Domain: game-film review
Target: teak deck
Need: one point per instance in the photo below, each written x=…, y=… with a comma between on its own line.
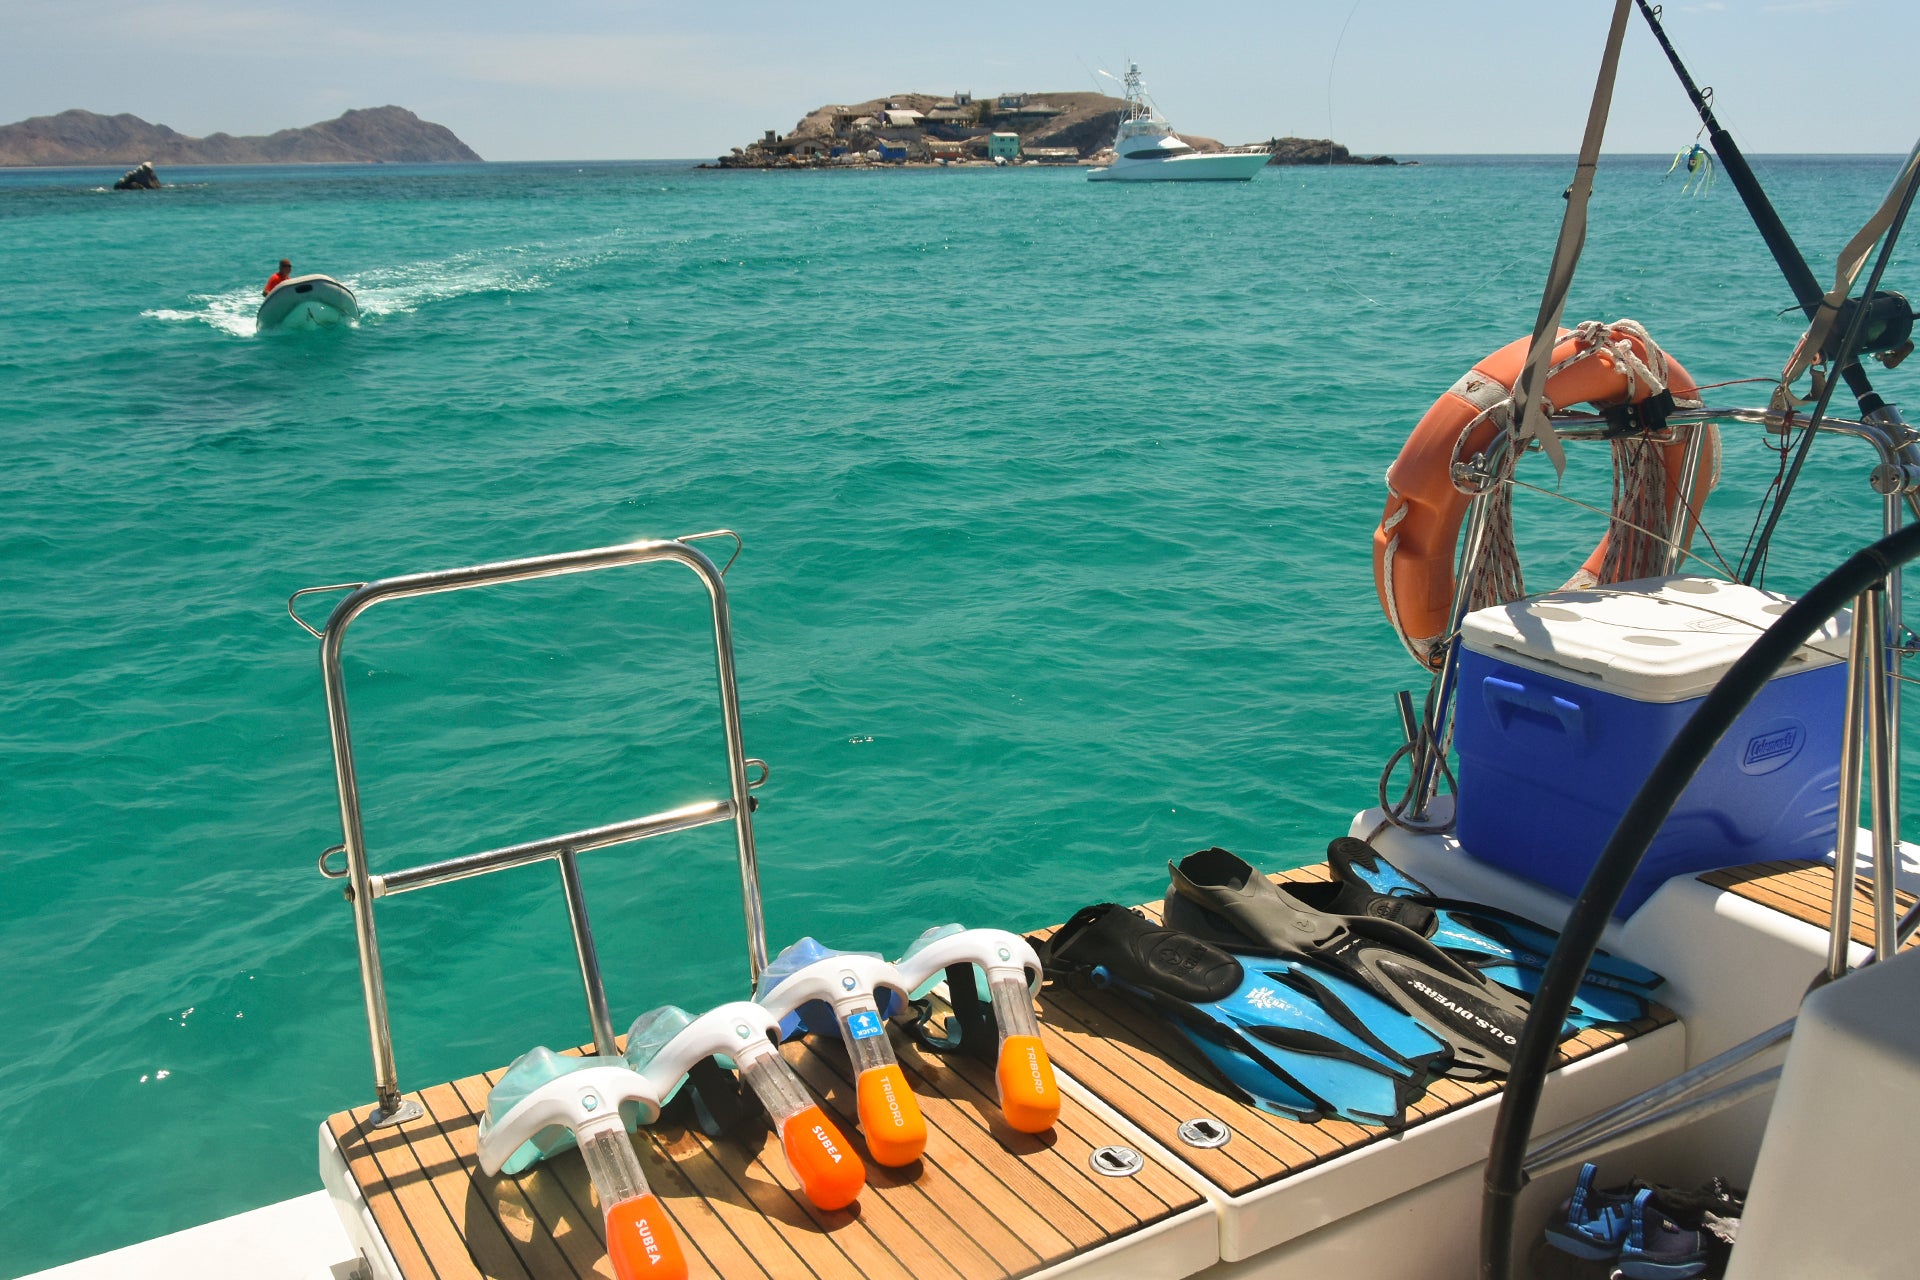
x=984, y=1202
x=1149, y=1076
x=1804, y=890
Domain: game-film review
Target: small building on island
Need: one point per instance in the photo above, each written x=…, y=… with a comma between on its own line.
x=951, y=113
x=1003, y=146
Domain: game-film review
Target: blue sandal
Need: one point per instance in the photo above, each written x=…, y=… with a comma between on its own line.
x=1657, y=1247
x=1592, y=1224
x=1648, y=1232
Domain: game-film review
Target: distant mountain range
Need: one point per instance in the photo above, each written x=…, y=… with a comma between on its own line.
x=84, y=138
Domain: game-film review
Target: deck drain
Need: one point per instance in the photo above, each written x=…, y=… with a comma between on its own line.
x=1116, y=1162
x=1205, y=1132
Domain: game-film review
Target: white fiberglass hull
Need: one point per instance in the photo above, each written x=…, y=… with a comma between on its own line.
x=307, y=302
x=1198, y=166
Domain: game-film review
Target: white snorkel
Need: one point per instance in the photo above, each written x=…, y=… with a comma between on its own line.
x=666, y=1044
x=807, y=981
x=1029, y=1097
x=546, y=1102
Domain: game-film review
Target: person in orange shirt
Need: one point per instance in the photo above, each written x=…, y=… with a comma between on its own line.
x=279, y=277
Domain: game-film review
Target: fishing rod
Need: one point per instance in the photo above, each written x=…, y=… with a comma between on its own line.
x=1792, y=263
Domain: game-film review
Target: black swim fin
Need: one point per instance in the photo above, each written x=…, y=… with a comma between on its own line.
x=1285, y=1041
x=1480, y=1020
x=1509, y=949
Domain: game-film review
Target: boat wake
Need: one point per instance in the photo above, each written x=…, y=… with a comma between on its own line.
x=231, y=313
x=400, y=290
x=390, y=291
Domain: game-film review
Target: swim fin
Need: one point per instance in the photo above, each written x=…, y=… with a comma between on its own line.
x=1509, y=949
x=1216, y=894
x=1280, y=1038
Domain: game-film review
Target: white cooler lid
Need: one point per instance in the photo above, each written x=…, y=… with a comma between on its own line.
x=1654, y=640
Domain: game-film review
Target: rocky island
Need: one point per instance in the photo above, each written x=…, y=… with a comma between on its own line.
x=1321, y=151
x=1009, y=128
x=391, y=134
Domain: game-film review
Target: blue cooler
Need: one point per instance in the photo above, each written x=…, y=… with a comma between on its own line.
x=1566, y=700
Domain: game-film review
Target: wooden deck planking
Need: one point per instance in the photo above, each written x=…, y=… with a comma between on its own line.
x=1133, y=1063
x=932, y=1195
x=1052, y=1168
x=983, y=1201
x=1804, y=890
x=383, y=1202
x=534, y=1203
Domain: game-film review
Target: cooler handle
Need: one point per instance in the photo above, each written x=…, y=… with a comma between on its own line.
x=1504, y=697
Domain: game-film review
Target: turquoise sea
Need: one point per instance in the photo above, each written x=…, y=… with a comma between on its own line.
x=1056, y=500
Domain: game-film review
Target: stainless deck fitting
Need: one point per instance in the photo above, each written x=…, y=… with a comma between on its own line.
x=1205, y=1133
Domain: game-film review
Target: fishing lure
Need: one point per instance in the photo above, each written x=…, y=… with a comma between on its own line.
x=1699, y=162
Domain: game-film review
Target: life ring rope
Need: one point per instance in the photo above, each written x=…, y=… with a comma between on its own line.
x=1414, y=546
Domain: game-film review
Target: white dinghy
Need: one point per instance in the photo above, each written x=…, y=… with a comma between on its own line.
x=308, y=302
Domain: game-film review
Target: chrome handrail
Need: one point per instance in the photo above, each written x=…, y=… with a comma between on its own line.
x=364, y=887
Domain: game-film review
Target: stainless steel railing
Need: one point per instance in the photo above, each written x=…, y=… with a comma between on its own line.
x=364, y=887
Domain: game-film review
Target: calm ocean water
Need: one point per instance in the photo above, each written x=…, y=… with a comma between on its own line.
x=1056, y=500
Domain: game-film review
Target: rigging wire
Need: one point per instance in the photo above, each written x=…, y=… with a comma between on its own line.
x=1718, y=563
x=1332, y=59
x=1753, y=572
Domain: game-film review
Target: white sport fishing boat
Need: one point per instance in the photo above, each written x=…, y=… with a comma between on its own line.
x=1780, y=1054
x=1146, y=149
x=307, y=302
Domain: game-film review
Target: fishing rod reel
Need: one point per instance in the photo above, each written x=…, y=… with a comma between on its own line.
x=1886, y=331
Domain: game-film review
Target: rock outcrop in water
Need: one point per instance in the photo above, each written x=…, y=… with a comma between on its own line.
x=1317, y=151
x=139, y=178
x=391, y=134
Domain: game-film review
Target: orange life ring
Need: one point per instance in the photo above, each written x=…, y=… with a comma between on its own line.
x=1413, y=549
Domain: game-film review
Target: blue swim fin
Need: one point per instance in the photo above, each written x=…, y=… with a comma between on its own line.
x=1509, y=949
x=1391, y=1033
x=1279, y=1036
x=1255, y=1080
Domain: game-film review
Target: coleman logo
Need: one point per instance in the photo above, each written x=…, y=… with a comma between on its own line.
x=827, y=1143
x=1769, y=746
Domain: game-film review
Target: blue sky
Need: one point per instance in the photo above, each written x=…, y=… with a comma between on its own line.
x=595, y=79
